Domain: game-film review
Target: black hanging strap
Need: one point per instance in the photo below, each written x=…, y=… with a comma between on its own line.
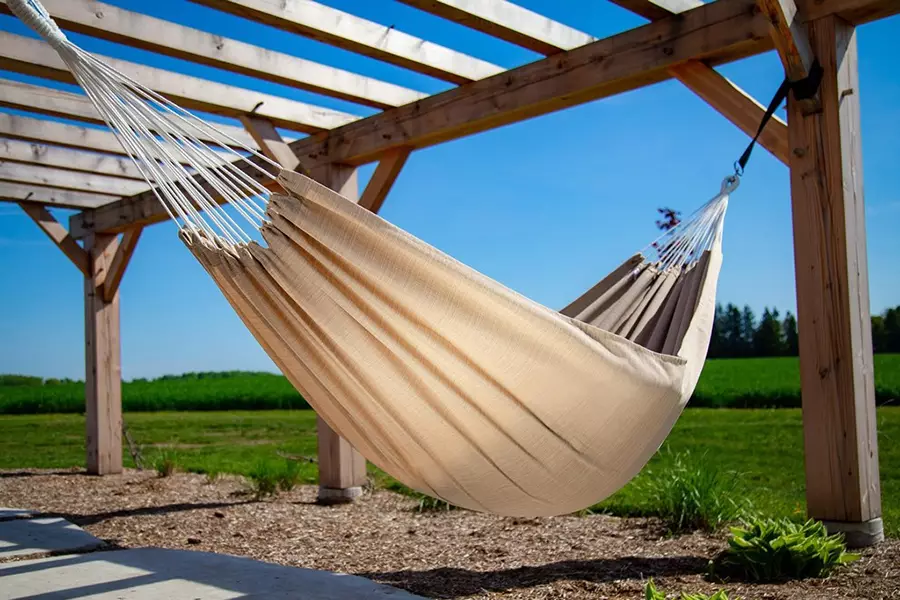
x=803, y=89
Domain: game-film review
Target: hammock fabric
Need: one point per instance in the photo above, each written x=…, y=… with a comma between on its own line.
x=452, y=383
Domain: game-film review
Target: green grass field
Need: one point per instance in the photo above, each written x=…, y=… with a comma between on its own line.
x=764, y=446
x=732, y=383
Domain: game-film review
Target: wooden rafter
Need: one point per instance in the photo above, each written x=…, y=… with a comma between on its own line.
x=509, y=22
x=65, y=158
x=19, y=193
x=34, y=57
x=542, y=34
x=790, y=38
x=69, y=180
x=61, y=134
x=270, y=142
x=723, y=31
x=654, y=10
x=350, y=32
x=118, y=25
x=120, y=261
x=383, y=179
x=58, y=234
x=68, y=105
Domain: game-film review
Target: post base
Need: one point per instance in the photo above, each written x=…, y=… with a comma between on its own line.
x=339, y=495
x=858, y=535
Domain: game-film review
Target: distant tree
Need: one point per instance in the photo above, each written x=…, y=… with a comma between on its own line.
x=717, y=344
x=732, y=341
x=791, y=339
x=768, y=339
x=891, y=319
x=748, y=332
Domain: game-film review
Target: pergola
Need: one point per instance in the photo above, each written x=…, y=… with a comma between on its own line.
x=47, y=163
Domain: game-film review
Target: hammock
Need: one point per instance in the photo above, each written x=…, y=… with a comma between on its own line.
x=453, y=384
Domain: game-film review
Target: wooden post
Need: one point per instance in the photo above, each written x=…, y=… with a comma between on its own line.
x=342, y=469
x=839, y=427
x=103, y=380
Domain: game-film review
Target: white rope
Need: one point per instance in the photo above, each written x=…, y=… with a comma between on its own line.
x=193, y=179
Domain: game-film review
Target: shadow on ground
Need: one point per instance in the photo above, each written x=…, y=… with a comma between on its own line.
x=454, y=583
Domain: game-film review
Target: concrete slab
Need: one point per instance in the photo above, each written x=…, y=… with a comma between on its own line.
x=154, y=573
x=15, y=513
x=21, y=537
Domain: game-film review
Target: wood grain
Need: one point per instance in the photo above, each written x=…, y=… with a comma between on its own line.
x=58, y=235
x=840, y=437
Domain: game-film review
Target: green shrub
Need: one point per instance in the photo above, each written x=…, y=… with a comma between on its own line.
x=772, y=550
x=651, y=593
x=165, y=464
x=212, y=476
x=289, y=476
x=690, y=496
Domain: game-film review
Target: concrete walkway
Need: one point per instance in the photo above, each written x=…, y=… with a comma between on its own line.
x=155, y=573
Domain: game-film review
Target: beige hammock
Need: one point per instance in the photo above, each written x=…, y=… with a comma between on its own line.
x=450, y=382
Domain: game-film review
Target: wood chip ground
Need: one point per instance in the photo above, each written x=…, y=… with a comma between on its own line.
x=456, y=554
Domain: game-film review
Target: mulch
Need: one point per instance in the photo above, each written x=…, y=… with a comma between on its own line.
x=446, y=554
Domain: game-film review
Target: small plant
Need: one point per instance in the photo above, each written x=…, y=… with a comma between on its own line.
x=264, y=480
x=772, y=550
x=289, y=476
x=165, y=464
x=688, y=497
x=431, y=504
x=212, y=476
x=651, y=593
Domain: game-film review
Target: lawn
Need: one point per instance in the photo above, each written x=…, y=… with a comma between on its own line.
x=732, y=383
x=764, y=446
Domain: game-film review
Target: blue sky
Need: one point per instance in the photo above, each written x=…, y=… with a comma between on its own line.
x=546, y=207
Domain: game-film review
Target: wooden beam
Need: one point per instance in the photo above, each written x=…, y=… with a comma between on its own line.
x=120, y=262
x=735, y=105
x=347, y=31
x=719, y=32
x=69, y=180
x=509, y=22
x=63, y=134
x=64, y=158
x=789, y=35
x=655, y=10
x=856, y=12
x=342, y=469
x=103, y=371
x=840, y=436
x=270, y=141
x=35, y=57
x=68, y=105
x=17, y=192
x=125, y=27
x=383, y=178
x=58, y=235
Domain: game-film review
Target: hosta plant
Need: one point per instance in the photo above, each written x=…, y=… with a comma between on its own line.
x=770, y=550
x=651, y=593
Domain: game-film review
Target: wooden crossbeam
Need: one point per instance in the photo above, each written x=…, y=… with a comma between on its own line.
x=790, y=38
x=59, y=103
x=120, y=261
x=19, y=193
x=350, y=32
x=118, y=25
x=509, y=22
x=723, y=31
x=383, y=178
x=69, y=180
x=65, y=158
x=63, y=134
x=35, y=57
x=58, y=234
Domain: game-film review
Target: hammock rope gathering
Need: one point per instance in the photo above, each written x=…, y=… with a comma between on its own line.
x=450, y=382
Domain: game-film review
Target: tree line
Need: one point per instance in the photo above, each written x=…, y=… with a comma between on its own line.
x=737, y=333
